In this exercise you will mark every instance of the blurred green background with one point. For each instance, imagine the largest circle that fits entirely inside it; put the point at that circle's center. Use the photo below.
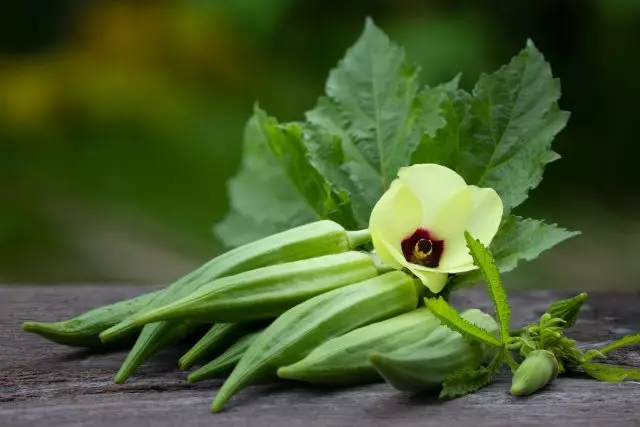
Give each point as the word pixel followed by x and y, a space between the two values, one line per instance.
pixel 121 121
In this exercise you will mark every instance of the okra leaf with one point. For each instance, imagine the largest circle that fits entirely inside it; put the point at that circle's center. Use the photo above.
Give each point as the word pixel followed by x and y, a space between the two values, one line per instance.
pixel 452 319
pixel 443 145
pixel 469 380
pixel 277 186
pixel 500 135
pixel 484 261
pixel 623 342
pixel 373 105
pixel 567 309
pixel 612 373
pixel 518 239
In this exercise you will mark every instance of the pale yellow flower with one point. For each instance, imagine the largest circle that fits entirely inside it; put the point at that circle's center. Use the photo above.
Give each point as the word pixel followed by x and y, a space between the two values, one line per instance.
pixel 419 223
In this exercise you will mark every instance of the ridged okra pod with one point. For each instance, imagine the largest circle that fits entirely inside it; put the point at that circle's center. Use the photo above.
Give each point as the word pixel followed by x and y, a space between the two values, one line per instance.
pixel 311 240
pixel 83 330
pixel 424 365
pixel 307 241
pixel 265 293
pixel 345 360
pixel 215 338
pixel 176 334
pixel 226 361
pixel 537 370
pixel 299 330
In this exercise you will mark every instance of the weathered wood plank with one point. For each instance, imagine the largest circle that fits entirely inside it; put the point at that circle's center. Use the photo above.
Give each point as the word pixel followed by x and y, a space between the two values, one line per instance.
pixel 42 383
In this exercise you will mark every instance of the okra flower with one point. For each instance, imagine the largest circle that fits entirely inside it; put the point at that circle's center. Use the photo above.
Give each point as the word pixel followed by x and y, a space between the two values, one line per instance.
pixel 419 223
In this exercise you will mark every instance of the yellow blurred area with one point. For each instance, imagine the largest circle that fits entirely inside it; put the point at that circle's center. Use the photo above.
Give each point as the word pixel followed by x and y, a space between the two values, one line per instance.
pixel 124 59
pixel 29 94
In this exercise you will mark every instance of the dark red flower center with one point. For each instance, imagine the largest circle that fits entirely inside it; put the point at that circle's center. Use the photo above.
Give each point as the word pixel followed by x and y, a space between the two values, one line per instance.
pixel 422 248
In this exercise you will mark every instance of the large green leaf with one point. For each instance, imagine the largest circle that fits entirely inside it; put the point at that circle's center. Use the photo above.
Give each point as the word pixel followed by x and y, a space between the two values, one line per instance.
pixel 374 120
pixel 277 186
pixel 500 136
pixel 374 107
pixel 518 239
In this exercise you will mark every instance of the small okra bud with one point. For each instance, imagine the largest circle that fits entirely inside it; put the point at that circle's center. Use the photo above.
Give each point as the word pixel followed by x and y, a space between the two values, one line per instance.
pixel 537 370
pixel 567 309
pixel 544 319
pixel 549 337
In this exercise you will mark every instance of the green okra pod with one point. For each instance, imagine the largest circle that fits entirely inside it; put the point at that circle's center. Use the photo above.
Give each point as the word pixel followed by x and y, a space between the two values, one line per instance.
pixel 311 240
pixel 537 370
pixel 265 293
pixel 216 337
pixel 307 241
pixel 226 361
pixel 425 364
pixel 83 330
pixel 299 330
pixel 345 360
pixel 180 332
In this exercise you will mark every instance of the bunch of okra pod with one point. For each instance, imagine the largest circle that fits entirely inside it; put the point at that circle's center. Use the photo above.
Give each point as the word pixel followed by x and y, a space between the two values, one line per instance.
pixel 303 304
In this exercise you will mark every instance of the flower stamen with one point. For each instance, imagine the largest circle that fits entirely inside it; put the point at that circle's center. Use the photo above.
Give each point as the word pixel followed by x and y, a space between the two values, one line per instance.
pixel 423 249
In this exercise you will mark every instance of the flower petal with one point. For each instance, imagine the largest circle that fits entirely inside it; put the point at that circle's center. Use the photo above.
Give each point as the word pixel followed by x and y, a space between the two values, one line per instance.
pixel 387 254
pixel 453 216
pixel 433 280
pixel 397 214
pixel 486 214
pixel 484 221
pixel 433 185
pixel 450 223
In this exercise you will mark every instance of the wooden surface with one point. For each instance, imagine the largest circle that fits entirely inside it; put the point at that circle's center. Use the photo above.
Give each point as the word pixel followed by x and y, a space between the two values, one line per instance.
pixel 46 384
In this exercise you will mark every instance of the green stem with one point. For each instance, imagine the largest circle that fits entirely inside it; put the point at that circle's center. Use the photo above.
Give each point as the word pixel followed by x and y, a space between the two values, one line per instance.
pixel 358 237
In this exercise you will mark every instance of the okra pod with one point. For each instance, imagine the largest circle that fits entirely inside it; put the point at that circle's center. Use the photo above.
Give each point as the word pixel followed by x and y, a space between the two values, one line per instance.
pixel 265 293
pixel 307 241
pixel 425 364
pixel 226 361
pixel 299 330
pixel 170 337
pixel 83 330
pixel 345 360
pixel 311 240
pixel 537 370
pixel 211 341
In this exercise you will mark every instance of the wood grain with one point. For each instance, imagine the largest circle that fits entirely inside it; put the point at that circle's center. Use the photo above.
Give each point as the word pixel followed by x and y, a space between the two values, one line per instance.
pixel 46 384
